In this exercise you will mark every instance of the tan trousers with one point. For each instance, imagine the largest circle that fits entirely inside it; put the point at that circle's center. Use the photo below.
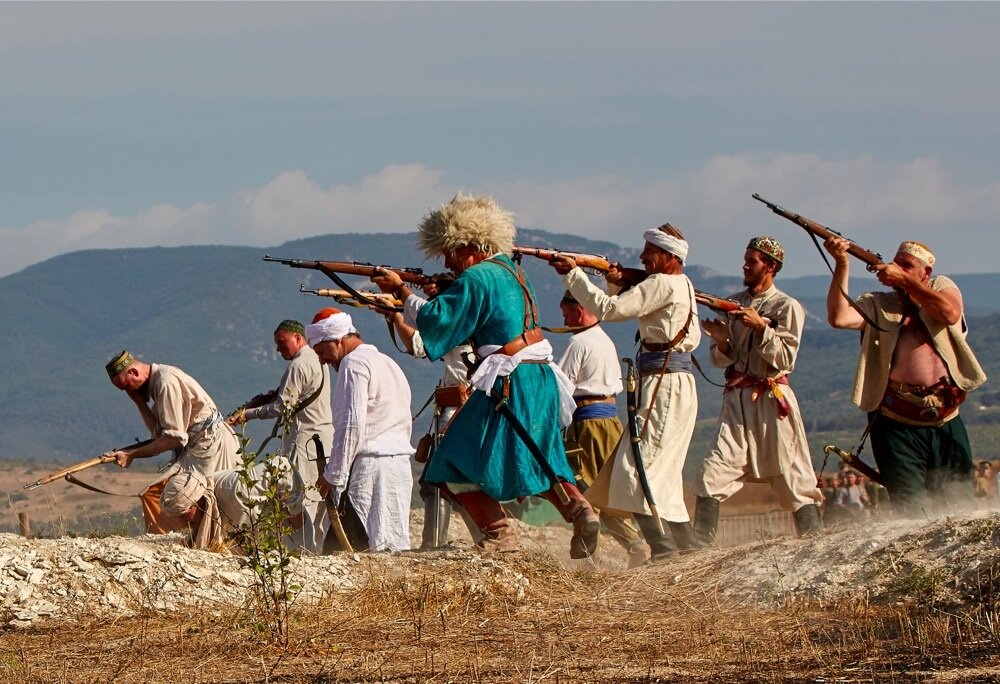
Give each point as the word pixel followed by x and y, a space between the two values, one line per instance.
pixel 589 443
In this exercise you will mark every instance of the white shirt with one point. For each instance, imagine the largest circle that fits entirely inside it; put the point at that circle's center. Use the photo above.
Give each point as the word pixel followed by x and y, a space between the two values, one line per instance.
pixel 371 412
pixel 591 362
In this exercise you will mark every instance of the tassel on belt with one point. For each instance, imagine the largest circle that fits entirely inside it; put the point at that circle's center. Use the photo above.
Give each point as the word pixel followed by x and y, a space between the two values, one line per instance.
pixel 760 386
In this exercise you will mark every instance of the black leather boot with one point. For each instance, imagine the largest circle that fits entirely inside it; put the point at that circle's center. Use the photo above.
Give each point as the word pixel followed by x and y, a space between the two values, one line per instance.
pixel 807 522
pixel 683 535
pixel 706 521
pixel 661 546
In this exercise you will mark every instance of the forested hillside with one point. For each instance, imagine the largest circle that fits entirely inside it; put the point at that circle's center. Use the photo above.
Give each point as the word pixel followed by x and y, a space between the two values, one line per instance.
pixel 211 310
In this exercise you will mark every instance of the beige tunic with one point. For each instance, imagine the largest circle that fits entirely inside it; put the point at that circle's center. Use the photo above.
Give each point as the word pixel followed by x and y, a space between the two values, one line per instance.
pixel 754 443
pixel 663 304
pixel 304 376
pixel 875 360
pixel 182 409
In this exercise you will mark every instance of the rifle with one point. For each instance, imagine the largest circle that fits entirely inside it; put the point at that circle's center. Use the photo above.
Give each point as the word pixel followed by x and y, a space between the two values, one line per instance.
pixel 595 262
pixel 346 298
pixel 720 304
pixel 82 465
pixel 331 269
pixel 262 399
pixel 817 230
pixel 723 305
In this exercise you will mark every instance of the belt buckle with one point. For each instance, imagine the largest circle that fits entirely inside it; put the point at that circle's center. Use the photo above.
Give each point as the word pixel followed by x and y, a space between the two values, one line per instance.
pixel 929 413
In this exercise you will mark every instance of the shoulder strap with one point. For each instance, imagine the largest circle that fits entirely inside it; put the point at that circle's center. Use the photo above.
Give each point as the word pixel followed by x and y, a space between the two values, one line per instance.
pixel 530 307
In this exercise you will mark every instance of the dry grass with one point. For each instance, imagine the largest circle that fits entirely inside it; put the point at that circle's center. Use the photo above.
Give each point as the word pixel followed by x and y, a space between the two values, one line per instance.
pixel 531 621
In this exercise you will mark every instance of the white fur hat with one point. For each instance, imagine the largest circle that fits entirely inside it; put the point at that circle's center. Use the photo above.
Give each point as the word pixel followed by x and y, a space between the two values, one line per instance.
pixel 467 220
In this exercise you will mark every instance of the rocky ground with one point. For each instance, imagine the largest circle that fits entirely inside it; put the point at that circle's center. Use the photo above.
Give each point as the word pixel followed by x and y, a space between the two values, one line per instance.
pixel 897 601
pixel 58 579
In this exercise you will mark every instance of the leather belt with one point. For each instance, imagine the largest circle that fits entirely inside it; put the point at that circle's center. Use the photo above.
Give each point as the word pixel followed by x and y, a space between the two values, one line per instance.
pixel 525 339
pixel 918 390
pixel 657 346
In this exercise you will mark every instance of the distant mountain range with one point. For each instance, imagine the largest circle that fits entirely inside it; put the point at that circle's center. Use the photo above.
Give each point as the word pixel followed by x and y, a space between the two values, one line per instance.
pixel 211 311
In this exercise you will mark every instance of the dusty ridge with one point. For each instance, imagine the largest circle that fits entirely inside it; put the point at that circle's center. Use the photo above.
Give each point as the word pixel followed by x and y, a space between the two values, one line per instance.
pixel 953 557
pixel 53 579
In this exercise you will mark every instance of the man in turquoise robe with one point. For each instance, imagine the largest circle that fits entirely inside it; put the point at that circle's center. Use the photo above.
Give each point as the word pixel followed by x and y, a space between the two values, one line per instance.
pixel 482 459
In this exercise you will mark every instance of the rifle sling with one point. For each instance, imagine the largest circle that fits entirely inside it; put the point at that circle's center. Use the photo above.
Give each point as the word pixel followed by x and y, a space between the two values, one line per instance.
pixel 854 305
pixel 299 407
pixel 94 488
pixel 335 277
pixel 80 483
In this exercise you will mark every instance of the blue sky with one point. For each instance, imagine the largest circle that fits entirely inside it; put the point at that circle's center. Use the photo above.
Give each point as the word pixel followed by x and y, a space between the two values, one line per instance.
pixel 132 124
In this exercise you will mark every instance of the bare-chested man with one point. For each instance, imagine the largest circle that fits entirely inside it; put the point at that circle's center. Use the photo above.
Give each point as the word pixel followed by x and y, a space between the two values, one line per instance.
pixel 912 375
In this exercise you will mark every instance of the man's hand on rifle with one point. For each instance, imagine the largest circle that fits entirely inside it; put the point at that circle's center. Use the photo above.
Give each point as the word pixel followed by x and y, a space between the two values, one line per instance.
pixel 616 276
pixel 122 458
pixel 751 318
pixel 892 275
pixel 563 264
pixel 837 247
pixel 237 417
pixel 390 283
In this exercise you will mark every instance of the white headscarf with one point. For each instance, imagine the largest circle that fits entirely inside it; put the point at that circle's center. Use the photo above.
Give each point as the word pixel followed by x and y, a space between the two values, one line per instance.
pixel 334 327
pixel 668 243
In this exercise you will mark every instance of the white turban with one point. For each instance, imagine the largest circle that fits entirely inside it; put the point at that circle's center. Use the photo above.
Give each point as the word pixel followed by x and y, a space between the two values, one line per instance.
pixel 668 243
pixel 334 327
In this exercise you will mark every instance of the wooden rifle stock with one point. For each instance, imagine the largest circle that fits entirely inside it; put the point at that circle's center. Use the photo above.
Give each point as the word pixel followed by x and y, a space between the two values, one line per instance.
pixel 720 304
pixel 871 259
pixel 594 262
pixel 414 276
pixel 82 465
pixel 346 298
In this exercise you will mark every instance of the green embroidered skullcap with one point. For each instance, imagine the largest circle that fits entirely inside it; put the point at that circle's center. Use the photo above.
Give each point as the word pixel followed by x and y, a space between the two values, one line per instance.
pixel 765 244
pixel 119 363
pixel 292 326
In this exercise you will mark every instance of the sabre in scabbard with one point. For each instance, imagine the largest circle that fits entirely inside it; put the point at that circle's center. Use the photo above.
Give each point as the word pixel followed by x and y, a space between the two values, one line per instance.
pixel 632 409
pixel 853 460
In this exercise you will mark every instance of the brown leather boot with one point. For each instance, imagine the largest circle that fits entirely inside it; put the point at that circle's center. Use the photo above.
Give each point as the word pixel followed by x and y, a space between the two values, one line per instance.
pixel 586 523
pixel 491 519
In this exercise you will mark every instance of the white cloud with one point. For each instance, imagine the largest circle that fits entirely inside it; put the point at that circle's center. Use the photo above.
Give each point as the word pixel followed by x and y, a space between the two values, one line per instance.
pixel 876 203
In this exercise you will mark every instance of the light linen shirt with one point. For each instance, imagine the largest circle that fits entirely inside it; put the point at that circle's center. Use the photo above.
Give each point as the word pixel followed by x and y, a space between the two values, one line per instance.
pixel 180 409
pixel 591 362
pixel 661 303
pixel 371 409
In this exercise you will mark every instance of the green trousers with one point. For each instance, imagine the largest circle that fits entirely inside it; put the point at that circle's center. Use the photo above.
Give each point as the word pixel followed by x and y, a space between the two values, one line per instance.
pixel 917 462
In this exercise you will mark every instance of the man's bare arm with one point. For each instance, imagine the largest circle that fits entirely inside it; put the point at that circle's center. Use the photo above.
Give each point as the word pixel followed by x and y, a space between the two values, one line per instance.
pixel 163 443
pixel 838 311
pixel 942 305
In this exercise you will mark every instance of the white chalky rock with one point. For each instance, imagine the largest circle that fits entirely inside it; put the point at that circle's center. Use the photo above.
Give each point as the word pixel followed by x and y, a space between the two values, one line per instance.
pixel 82 564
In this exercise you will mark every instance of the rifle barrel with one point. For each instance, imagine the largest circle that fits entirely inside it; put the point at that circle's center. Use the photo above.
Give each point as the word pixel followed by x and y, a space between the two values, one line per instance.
pixel 871 259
